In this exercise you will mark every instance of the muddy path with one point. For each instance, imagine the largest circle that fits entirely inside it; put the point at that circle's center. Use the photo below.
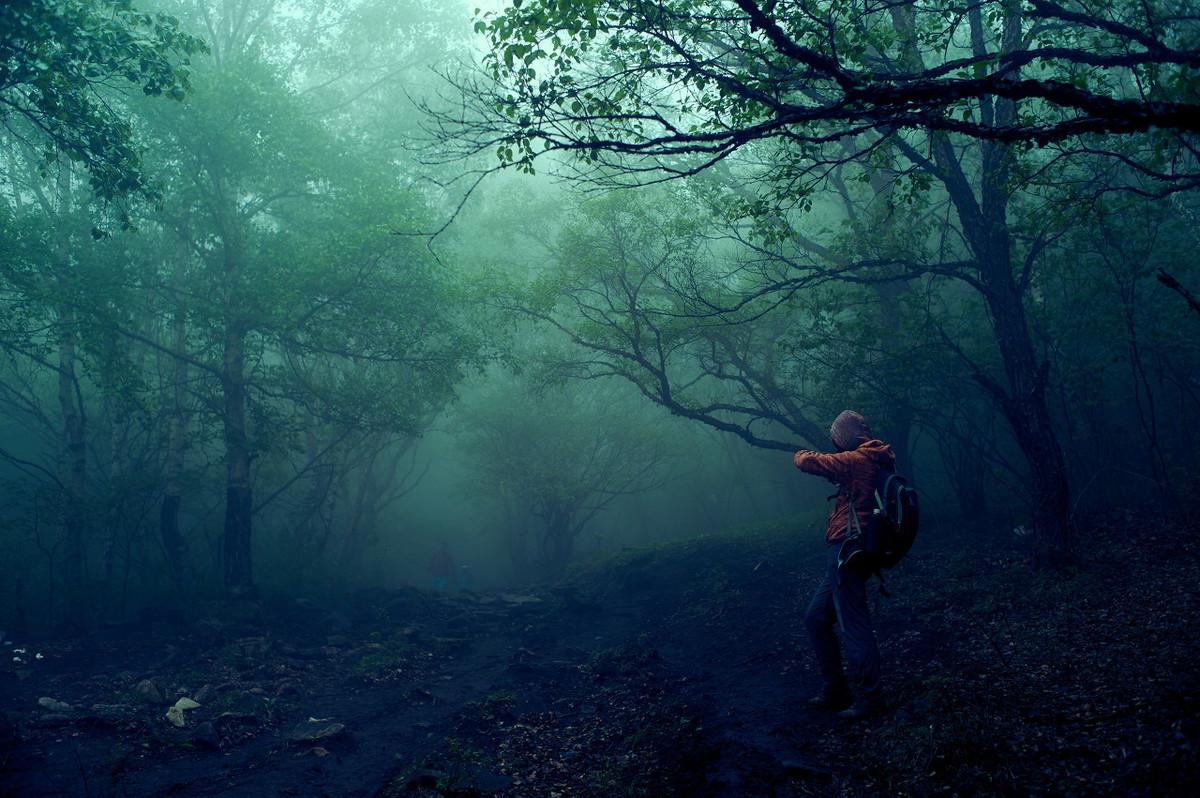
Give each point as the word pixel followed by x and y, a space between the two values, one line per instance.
pixel 360 699
pixel 680 671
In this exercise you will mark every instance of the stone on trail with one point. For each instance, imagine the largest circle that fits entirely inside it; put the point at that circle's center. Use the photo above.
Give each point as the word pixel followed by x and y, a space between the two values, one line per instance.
pixel 287 687
pixel 314 729
pixel 54 705
pixel 205 737
pixel 255 648
pixel 175 713
pixel 148 691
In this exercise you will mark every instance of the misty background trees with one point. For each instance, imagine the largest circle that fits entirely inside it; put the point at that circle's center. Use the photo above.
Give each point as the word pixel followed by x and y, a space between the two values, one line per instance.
pixel 235 356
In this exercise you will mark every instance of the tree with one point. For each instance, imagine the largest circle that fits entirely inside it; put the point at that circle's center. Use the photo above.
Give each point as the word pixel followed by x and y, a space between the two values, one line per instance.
pixel 664 81
pixel 808 94
pixel 62 62
pixel 560 457
pixel 304 307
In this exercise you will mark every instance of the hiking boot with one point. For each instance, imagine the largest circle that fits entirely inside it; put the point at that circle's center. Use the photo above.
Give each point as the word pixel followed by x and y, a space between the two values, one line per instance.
pixel 833 700
pixel 862 708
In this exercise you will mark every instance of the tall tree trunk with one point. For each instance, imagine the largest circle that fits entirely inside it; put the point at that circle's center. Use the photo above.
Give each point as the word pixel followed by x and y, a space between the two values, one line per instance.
pixel 363 521
pixel 558 545
pixel 1025 408
pixel 897 430
pixel 172 537
pixel 985 227
pixel 239 507
pixel 73 469
pixel 1025 405
pixel 239 574
pixel 1022 399
pixel 73 462
pixel 116 497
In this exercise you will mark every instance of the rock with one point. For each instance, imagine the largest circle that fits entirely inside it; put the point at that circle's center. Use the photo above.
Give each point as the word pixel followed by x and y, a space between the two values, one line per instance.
pixel 204 693
pixel 175 713
pixel 204 737
pixel 98 720
pixel 254 647
pixel 146 690
pixel 55 718
pixel 428 779
pixel 53 705
pixel 287 687
pixel 314 729
pixel 236 718
pixel 420 695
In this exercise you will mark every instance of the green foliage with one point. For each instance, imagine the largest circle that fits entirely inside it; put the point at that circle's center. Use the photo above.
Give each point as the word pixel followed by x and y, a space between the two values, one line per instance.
pixel 613 82
pixel 61 63
pixel 274 229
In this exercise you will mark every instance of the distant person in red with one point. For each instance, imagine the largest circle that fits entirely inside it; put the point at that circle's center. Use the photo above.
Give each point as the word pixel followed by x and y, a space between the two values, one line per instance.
pixel 841 600
pixel 441 567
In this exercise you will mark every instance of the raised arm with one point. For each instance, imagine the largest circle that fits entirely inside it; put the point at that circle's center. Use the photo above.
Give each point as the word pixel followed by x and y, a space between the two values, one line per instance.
pixel 834 467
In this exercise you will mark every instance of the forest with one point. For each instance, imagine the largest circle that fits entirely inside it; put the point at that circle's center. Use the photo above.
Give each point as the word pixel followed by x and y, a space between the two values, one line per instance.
pixel 419 398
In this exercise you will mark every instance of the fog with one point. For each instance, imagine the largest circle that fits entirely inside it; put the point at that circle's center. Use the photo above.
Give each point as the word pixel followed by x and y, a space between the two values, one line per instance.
pixel 329 307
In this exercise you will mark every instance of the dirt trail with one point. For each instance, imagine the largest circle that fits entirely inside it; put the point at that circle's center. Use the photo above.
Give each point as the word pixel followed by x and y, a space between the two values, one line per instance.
pixel 404 672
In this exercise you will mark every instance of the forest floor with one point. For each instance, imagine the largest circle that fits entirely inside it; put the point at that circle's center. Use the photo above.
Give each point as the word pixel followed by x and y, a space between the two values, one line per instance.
pixel 677 671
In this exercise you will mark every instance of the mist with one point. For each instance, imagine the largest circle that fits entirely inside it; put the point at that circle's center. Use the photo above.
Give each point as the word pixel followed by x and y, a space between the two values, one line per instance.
pixel 415 398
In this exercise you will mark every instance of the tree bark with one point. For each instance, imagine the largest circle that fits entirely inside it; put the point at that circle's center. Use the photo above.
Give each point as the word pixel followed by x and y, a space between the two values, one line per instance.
pixel 239 574
pixel 73 460
pixel 984 222
pixel 239 503
pixel 559 541
pixel 1025 408
pixel 172 538
pixel 73 470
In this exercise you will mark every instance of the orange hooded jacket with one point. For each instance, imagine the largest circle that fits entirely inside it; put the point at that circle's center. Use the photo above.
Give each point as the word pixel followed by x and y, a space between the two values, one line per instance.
pixel 854 472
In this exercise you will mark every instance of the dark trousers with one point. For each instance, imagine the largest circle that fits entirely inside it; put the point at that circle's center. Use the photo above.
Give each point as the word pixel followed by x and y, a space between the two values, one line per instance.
pixel 841 601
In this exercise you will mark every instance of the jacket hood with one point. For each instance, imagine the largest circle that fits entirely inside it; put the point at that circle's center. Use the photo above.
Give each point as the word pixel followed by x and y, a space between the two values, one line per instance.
pixel 849 430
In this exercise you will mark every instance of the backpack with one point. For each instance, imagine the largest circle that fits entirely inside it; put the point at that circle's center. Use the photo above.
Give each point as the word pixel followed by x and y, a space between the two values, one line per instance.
pixel 893 528
pixel 896 516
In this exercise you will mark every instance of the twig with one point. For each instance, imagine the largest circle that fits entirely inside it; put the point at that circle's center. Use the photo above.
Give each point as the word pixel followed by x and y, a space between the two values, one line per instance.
pixel 1173 284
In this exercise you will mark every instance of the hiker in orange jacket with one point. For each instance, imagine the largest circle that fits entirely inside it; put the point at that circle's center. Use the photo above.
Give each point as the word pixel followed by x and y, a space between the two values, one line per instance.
pixel 841 598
